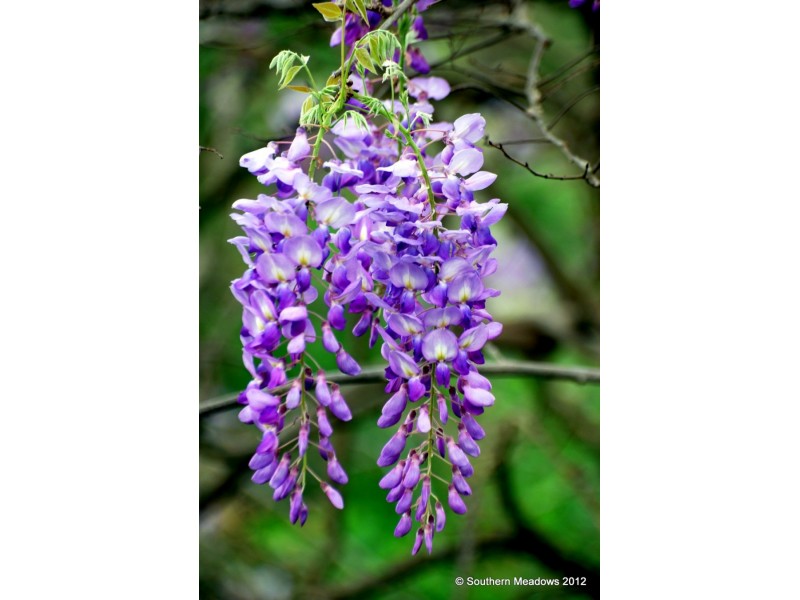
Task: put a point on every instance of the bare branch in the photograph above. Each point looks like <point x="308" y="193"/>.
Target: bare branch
<point x="396" y="14"/>
<point x="206" y="149"/>
<point x="586" y="173"/>
<point x="378" y="375"/>
<point x="535" y="110"/>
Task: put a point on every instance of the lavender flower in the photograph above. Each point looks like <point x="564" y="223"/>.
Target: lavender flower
<point x="369" y="239"/>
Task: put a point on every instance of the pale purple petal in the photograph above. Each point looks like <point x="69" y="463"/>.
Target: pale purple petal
<point x="287" y="224"/>
<point x="303" y="250"/>
<point x="440" y="516"/>
<point x="294" y="313"/>
<point x="478" y="396"/>
<point x="405" y="325"/>
<point x="335" y="471"/>
<point x="476" y="380"/>
<point x="408" y="276"/>
<point x="480" y="181"/>
<point x="336" y="213"/>
<point x="423" y="420"/>
<point x="343" y="168"/>
<point x="473" y="339"/>
<point x="293" y="396"/>
<point x="258" y="161"/>
<point x="402" y="364"/>
<point x="261" y="301"/>
<point x="495" y="214"/>
<point x="434" y="88"/>
<point x="469" y="128"/>
<point x="275" y="268"/>
<point x="297" y="345"/>
<point x="466" y="161"/>
<point x="464" y="288"/>
<point x="333" y="495"/>
<point x="442" y="317"/>
<point x="440" y="344"/>
<point x="405" y="167"/>
<point x="300" y="147"/>
<point x="493" y="329"/>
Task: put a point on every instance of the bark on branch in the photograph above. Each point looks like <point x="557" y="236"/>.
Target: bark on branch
<point x="378" y="375"/>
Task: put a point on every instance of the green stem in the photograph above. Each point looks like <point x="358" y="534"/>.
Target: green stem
<point x="412" y="144"/>
<point x="304" y="413"/>
<point x="310" y="77"/>
<point x="429" y="510"/>
<point x="314" y="153"/>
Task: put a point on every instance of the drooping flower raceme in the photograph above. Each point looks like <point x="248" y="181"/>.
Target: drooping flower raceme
<point x="391" y="229"/>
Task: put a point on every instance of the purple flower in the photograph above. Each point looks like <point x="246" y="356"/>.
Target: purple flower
<point x="339" y="406"/>
<point x="423" y="88"/>
<point x="303" y="251"/>
<point x="380" y="239"/>
<point x="423" y="420"/>
<point x="405" y="501"/>
<point x="412" y="474"/>
<point x="393" y="448"/>
<point x="346" y="363"/>
<point x="333" y="495"/>
<point x="409" y="276"/>
<point x="455" y="502"/>
<point x="440" y="516"/>
<point x="392" y="478"/>
<point x="335" y="213"/>
<point x="404" y="525"/>
<point x="417" y="541"/>
<point x="335" y="470"/>
<point x="440" y="345"/>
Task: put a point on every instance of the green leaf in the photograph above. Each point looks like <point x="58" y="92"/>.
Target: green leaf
<point x="374" y="48"/>
<point x="358" y="120"/>
<point x="299" y="88"/>
<point x="360" y="7"/>
<point x="289" y="76"/>
<point x="363" y="58"/>
<point x="329" y="11"/>
<point x="307" y="105"/>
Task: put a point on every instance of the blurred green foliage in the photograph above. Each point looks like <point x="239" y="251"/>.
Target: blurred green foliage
<point x="536" y="487"/>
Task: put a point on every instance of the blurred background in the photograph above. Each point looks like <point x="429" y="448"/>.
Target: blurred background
<point x="532" y="70"/>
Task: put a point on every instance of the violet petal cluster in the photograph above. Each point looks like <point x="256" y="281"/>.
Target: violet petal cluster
<point x="397" y="238"/>
<point x="282" y="253"/>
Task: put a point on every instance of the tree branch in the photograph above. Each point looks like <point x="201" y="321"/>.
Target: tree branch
<point x="586" y="172"/>
<point x="208" y="149"/>
<point x="396" y="14"/>
<point x="378" y="375"/>
<point x="535" y="110"/>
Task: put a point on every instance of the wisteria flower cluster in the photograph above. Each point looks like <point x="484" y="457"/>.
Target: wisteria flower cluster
<point x="391" y="233"/>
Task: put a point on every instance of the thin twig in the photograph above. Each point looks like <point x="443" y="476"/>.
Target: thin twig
<point x="561" y="83"/>
<point x="473" y="48"/>
<point x="398" y="12"/>
<point x="586" y="172"/>
<point x="569" y="106"/>
<point x="566" y="67"/>
<point x="535" y="110"/>
<point x="378" y="375"/>
<point x="206" y="149"/>
<point x="527" y="141"/>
